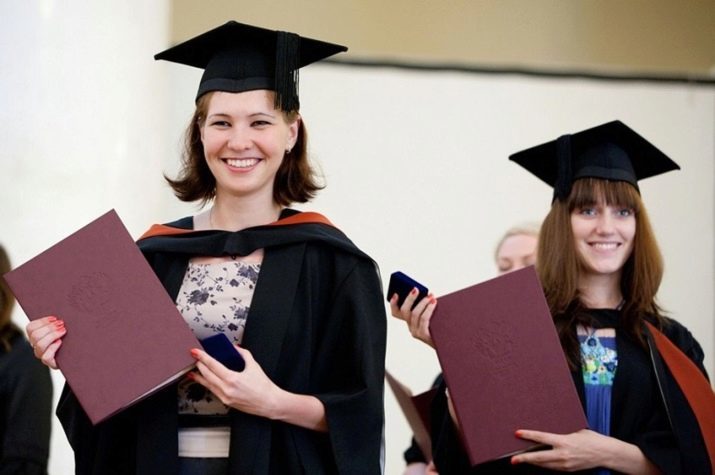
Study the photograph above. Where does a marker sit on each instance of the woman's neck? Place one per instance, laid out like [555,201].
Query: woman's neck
[236,214]
[600,291]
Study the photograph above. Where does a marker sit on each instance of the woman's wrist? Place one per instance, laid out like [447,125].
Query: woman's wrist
[297,409]
[276,404]
[626,458]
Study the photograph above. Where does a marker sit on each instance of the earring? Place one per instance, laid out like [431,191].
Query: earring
[288,151]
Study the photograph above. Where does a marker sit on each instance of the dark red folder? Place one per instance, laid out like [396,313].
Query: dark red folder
[503,365]
[416,410]
[125,337]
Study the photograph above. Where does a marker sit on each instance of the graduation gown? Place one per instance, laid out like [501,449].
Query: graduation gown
[25,410]
[316,326]
[662,425]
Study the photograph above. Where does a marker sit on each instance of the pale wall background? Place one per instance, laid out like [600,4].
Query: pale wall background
[415,161]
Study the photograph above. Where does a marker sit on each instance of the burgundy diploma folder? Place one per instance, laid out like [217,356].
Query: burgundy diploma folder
[416,410]
[125,337]
[503,365]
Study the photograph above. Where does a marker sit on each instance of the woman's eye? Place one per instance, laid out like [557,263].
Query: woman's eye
[588,211]
[260,123]
[220,123]
[625,212]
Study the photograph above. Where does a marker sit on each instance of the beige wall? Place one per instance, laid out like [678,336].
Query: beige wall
[642,36]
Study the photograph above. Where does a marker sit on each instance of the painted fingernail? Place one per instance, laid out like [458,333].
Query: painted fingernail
[518,433]
[195,352]
[51,319]
[514,461]
[59,324]
[414,291]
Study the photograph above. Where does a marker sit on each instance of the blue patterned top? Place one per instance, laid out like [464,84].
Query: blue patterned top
[598,367]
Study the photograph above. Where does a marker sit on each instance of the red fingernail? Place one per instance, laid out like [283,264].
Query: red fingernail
[517,433]
[514,461]
[51,319]
[195,352]
[414,291]
[190,376]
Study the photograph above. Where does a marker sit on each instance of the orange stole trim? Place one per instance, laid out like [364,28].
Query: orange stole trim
[695,387]
[163,230]
[300,218]
[303,217]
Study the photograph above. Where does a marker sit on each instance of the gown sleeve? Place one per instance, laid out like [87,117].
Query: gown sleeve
[354,362]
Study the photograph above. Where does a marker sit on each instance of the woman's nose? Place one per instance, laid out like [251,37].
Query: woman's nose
[605,223]
[239,140]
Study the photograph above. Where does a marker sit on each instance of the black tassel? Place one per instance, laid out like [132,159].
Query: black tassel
[564,178]
[287,65]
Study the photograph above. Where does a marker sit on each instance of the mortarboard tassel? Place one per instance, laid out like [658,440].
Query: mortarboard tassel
[287,64]
[562,187]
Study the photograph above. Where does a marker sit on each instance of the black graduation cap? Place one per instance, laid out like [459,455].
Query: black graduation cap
[611,151]
[237,57]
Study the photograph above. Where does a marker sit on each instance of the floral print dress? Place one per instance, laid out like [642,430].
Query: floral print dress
[214,298]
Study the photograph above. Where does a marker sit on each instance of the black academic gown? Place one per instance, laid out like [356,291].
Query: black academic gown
[25,410]
[669,438]
[316,326]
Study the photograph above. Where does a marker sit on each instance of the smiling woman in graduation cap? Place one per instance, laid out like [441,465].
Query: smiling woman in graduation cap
[639,374]
[601,268]
[301,300]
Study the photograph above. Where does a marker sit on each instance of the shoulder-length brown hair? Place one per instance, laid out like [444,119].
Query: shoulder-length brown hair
[559,267]
[296,181]
[7,329]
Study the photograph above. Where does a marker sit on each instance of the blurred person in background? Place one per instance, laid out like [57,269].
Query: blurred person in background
[25,395]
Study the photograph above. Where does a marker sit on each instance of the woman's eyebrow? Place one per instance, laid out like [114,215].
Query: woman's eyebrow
[267,114]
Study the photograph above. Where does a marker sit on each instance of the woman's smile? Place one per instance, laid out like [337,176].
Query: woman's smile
[242,164]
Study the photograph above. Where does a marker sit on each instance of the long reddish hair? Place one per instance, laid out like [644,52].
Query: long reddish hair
[559,267]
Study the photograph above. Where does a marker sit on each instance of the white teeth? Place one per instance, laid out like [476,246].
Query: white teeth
[605,245]
[242,163]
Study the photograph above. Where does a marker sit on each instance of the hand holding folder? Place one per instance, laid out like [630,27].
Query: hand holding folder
[503,365]
[125,337]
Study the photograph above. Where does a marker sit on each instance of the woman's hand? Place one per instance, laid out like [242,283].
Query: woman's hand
[45,336]
[417,318]
[420,468]
[415,468]
[583,450]
[252,392]
[249,391]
